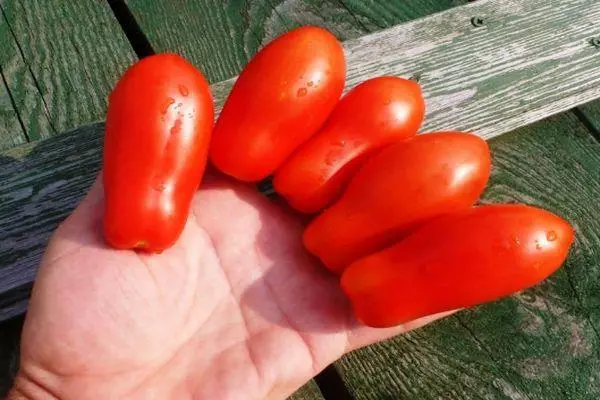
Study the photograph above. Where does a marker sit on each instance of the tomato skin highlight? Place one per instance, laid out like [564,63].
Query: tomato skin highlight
[458,261]
[281,98]
[375,113]
[158,126]
[399,188]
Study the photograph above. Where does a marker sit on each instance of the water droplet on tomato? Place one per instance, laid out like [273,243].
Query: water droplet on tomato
[340,143]
[516,240]
[160,187]
[176,128]
[309,83]
[551,236]
[538,245]
[167,104]
[332,157]
[302,92]
[183,90]
[388,102]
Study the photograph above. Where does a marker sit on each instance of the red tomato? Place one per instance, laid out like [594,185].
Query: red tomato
[280,99]
[158,126]
[458,261]
[375,113]
[399,188]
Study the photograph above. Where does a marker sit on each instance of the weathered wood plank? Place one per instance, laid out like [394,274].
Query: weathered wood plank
[349,19]
[385,13]
[541,344]
[330,14]
[11,131]
[217,36]
[60,59]
[490,79]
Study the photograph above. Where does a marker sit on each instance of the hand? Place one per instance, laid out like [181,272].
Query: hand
[235,310]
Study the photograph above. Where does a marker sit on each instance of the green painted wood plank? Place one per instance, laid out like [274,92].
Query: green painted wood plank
[60,60]
[11,132]
[218,36]
[349,19]
[330,14]
[540,344]
[386,13]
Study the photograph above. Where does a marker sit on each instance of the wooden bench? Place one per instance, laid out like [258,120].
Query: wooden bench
[493,66]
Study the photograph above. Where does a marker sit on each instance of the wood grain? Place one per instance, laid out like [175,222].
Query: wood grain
[218,36]
[11,131]
[386,13]
[60,60]
[540,344]
[500,68]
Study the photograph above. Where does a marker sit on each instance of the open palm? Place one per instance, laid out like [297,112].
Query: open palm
[235,310]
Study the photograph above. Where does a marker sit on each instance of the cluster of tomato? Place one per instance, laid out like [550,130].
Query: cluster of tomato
[397,217]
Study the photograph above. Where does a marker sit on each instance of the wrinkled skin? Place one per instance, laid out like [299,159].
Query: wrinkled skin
[235,310]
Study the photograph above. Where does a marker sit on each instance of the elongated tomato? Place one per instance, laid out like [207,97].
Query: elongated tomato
[375,113]
[458,261]
[280,99]
[399,188]
[158,126]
